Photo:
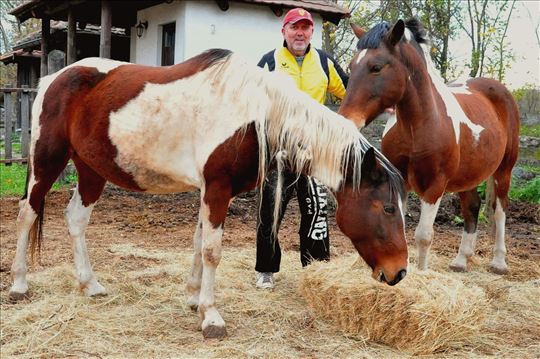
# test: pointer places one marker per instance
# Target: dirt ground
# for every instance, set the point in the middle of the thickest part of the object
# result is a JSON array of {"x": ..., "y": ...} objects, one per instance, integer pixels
[
  {"x": 168, "y": 222},
  {"x": 165, "y": 224}
]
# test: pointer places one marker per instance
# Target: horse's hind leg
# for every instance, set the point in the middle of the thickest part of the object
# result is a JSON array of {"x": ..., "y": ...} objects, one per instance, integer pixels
[
  {"x": 31, "y": 212},
  {"x": 499, "y": 205},
  {"x": 77, "y": 214},
  {"x": 470, "y": 207},
  {"x": 25, "y": 220}
]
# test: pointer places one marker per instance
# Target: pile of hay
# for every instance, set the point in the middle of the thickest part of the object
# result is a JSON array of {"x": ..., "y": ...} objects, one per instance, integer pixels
[{"x": 427, "y": 312}]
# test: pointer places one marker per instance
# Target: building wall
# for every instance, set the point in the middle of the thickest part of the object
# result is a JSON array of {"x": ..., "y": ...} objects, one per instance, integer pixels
[
  {"x": 147, "y": 48},
  {"x": 248, "y": 29}
]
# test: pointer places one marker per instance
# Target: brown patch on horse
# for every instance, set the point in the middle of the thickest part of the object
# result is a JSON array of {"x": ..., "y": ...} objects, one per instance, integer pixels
[{"x": 232, "y": 168}]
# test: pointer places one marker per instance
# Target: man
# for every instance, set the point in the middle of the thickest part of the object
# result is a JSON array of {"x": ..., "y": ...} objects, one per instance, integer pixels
[{"x": 315, "y": 73}]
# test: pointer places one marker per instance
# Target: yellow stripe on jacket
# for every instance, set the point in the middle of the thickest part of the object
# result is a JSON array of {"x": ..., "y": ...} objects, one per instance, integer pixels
[{"x": 310, "y": 78}]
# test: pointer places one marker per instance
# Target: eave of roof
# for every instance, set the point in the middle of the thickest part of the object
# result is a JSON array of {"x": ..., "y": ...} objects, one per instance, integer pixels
[
  {"x": 12, "y": 56},
  {"x": 40, "y": 8}
]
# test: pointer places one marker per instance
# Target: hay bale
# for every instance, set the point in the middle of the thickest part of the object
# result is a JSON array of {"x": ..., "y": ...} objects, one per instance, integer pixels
[{"x": 427, "y": 312}]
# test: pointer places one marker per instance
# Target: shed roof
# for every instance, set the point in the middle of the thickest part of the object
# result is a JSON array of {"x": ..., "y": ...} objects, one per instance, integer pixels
[{"x": 90, "y": 11}]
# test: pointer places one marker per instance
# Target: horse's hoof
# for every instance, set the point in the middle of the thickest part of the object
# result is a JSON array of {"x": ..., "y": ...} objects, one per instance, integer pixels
[
  {"x": 193, "y": 307},
  {"x": 93, "y": 290},
  {"x": 214, "y": 332},
  {"x": 99, "y": 295},
  {"x": 18, "y": 297},
  {"x": 458, "y": 268},
  {"x": 498, "y": 270}
]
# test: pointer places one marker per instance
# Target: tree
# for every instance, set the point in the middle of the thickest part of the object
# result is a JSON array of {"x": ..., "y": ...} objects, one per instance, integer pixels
[
  {"x": 483, "y": 25},
  {"x": 10, "y": 32},
  {"x": 528, "y": 99},
  {"x": 436, "y": 15}
]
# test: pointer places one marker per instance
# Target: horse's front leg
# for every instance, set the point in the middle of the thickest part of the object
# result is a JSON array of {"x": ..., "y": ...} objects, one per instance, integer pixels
[
  {"x": 424, "y": 231},
  {"x": 470, "y": 207},
  {"x": 194, "y": 282},
  {"x": 214, "y": 204}
]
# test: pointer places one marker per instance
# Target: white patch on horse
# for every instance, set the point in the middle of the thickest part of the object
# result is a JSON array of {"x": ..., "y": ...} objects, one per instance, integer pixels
[
  {"x": 402, "y": 208},
  {"x": 361, "y": 55},
  {"x": 165, "y": 135},
  {"x": 408, "y": 35},
  {"x": 424, "y": 231},
  {"x": 390, "y": 122},
  {"x": 453, "y": 109}
]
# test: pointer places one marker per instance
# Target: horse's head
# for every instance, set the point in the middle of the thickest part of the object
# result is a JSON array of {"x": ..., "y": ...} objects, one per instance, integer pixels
[
  {"x": 378, "y": 77},
  {"x": 372, "y": 217}
]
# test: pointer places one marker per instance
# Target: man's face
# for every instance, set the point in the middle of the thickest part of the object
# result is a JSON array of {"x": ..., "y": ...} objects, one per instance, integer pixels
[{"x": 297, "y": 36}]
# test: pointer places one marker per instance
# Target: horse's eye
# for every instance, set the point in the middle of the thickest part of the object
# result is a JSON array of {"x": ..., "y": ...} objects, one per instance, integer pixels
[
  {"x": 375, "y": 69},
  {"x": 389, "y": 208}
]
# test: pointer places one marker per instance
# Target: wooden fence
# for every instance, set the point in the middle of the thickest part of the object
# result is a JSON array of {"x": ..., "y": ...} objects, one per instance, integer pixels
[{"x": 15, "y": 123}]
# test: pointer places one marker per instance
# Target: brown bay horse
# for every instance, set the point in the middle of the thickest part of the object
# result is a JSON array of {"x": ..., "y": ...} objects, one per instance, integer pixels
[
  {"x": 212, "y": 123},
  {"x": 442, "y": 138}
]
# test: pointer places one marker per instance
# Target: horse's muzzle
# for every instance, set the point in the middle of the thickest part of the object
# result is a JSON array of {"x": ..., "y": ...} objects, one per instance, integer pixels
[{"x": 401, "y": 274}]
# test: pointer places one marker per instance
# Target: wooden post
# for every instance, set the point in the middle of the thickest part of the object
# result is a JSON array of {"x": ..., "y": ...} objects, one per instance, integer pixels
[
  {"x": 105, "y": 35},
  {"x": 25, "y": 122},
  {"x": 71, "y": 38},
  {"x": 45, "y": 34},
  {"x": 8, "y": 126}
]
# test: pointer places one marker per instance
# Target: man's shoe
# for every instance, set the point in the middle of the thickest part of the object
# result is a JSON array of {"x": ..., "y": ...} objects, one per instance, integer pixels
[{"x": 265, "y": 280}]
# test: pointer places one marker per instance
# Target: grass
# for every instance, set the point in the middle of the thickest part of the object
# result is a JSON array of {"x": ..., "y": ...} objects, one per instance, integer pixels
[
  {"x": 13, "y": 180},
  {"x": 530, "y": 130},
  {"x": 12, "y": 183},
  {"x": 15, "y": 147},
  {"x": 530, "y": 192}
]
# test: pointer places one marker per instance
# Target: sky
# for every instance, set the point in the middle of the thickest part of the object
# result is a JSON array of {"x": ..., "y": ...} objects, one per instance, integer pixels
[{"x": 521, "y": 39}]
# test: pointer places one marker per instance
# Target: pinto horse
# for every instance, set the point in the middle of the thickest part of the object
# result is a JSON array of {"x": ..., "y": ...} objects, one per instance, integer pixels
[
  {"x": 211, "y": 123},
  {"x": 442, "y": 138}
]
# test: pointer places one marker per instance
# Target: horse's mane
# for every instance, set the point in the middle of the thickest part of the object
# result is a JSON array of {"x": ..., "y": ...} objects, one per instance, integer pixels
[
  {"x": 372, "y": 39},
  {"x": 418, "y": 31},
  {"x": 310, "y": 137}
]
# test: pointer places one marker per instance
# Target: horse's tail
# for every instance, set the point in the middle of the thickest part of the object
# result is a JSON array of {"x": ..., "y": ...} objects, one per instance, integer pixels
[
  {"x": 490, "y": 204},
  {"x": 278, "y": 193},
  {"x": 35, "y": 235}
]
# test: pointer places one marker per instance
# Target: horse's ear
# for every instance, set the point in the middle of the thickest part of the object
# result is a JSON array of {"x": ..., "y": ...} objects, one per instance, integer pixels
[
  {"x": 396, "y": 33},
  {"x": 358, "y": 31},
  {"x": 372, "y": 171}
]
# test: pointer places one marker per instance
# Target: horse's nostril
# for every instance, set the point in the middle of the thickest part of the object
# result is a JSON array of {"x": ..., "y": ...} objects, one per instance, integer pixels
[{"x": 401, "y": 274}]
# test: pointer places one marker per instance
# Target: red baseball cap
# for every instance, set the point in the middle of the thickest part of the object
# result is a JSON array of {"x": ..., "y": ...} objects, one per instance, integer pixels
[{"x": 295, "y": 15}]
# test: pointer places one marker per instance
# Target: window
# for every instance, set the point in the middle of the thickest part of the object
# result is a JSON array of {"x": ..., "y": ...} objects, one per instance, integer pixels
[{"x": 167, "y": 44}]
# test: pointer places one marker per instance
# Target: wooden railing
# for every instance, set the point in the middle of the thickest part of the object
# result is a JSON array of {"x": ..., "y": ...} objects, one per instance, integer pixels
[{"x": 13, "y": 130}]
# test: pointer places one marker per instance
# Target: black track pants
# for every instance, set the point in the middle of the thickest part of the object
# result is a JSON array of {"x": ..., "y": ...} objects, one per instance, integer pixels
[{"x": 314, "y": 236}]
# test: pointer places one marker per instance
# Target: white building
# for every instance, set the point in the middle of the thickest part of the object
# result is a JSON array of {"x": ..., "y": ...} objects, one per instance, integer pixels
[{"x": 170, "y": 31}]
